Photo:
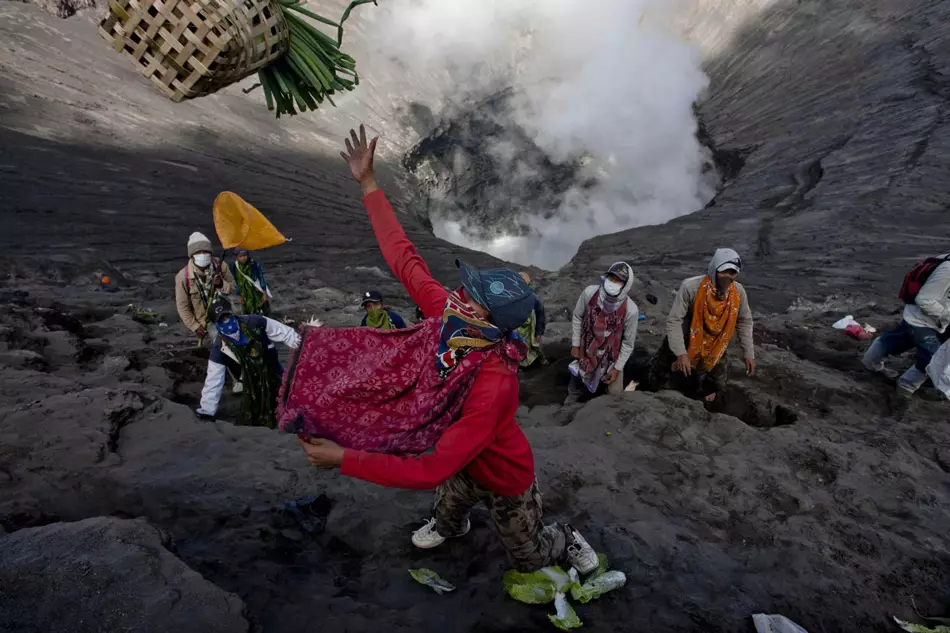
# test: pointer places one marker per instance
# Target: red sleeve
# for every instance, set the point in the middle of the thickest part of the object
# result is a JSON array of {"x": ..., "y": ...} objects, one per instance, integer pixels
[
  {"x": 494, "y": 398},
  {"x": 410, "y": 269}
]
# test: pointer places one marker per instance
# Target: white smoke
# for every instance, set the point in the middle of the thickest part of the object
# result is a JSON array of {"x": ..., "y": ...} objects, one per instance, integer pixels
[{"x": 608, "y": 81}]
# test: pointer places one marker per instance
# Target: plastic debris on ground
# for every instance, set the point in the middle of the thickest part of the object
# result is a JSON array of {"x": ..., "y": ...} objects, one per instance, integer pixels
[
  {"x": 632, "y": 386},
  {"x": 554, "y": 584},
  {"x": 775, "y": 624},
  {"x": 564, "y": 618},
  {"x": 432, "y": 580},
  {"x": 852, "y": 328}
]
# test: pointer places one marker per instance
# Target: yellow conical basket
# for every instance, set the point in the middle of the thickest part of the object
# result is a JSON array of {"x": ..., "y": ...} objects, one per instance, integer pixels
[{"x": 240, "y": 225}]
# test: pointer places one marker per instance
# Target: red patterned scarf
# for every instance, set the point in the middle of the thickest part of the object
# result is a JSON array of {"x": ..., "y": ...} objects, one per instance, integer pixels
[
  {"x": 601, "y": 334},
  {"x": 385, "y": 390}
]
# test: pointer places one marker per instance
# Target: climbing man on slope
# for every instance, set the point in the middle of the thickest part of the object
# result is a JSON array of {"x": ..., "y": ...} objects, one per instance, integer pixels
[
  {"x": 248, "y": 341},
  {"x": 378, "y": 315},
  {"x": 482, "y": 456},
  {"x": 926, "y": 293},
  {"x": 604, "y": 331},
  {"x": 707, "y": 312},
  {"x": 252, "y": 288},
  {"x": 198, "y": 284}
]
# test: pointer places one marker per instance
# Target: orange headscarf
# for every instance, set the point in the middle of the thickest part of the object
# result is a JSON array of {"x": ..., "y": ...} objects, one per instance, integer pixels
[{"x": 713, "y": 324}]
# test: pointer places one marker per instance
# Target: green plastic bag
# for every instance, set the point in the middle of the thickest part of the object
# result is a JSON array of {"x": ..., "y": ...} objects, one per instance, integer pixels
[
  {"x": 432, "y": 580},
  {"x": 565, "y": 617}
]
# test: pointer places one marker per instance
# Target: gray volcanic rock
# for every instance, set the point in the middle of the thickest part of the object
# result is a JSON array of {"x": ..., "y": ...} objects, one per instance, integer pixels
[{"x": 106, "y": 574}]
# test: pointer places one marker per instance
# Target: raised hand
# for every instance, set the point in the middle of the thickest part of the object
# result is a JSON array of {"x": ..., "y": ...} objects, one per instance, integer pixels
[{"x": 359, "y": 156}]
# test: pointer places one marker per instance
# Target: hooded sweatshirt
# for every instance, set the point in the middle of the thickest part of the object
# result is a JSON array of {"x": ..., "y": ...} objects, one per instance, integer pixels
[
  {"x": 630, "y": 321},
  {"x": 681, "y": 313}
]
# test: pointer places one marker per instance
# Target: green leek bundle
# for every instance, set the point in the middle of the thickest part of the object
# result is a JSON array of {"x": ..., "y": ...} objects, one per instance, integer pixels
[{"x": 314, "y": 67}]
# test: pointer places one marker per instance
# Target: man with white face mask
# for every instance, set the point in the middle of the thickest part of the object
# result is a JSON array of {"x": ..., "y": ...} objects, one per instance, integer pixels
[
  {"x": 199, "y": 283},
  {"x": 604, "y": 331}
]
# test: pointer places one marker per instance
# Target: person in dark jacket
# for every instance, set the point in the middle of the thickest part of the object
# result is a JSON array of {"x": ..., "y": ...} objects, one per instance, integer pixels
[
  {"x": 246, "y": 341},
  {"x": 378, "y": 315},
  {"x": 483, "y": 456}
]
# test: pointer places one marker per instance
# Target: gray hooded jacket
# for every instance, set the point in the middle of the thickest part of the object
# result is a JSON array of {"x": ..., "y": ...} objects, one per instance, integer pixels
[
  {"x": 681, "y": 314},
  {"x": 630, "y": 321}
]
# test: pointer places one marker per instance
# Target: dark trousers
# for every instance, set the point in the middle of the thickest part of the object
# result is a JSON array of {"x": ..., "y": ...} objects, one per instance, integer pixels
[
  {"x": 905, "y": 337},
  {"x": 701, "y": 383}
]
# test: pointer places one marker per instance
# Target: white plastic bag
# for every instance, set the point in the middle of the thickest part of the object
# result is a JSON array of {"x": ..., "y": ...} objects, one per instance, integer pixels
[
  {"x": 939, "y": 369},
  {"x": 841, "y": 324}
]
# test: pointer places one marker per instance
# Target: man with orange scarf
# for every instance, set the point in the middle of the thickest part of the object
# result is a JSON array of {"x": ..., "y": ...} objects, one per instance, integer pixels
[{"x": 707, "y": 312}]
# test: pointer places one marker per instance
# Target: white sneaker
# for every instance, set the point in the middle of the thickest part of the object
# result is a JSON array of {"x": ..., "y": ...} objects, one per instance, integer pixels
[
  {"x": 238, "y": 387},
  {"x": 580, "y": 554},
  {"x": 427, "y": 537}
]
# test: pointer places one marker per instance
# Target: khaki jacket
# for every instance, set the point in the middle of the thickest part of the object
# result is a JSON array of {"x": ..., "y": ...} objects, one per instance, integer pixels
[{"x": 191, "y": 309}]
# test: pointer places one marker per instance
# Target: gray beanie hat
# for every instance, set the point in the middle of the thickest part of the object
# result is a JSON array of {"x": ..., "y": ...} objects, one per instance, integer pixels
[{"x": 197, "y": 242}]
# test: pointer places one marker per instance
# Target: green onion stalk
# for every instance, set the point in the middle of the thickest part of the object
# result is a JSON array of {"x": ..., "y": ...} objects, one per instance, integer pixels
[{"x": 314, "y": 68}]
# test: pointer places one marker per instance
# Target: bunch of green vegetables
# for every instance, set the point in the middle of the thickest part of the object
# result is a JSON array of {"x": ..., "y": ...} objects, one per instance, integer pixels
[{"x": 314, "y": 67}]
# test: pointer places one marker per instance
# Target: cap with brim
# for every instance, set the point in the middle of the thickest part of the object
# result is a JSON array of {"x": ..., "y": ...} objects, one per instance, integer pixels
[
  {"x": 501, "y": 291},
  {"x": 371, "y": 296},
  {"x": 728, "y": 266},
  {"x": 620, "y": 271},
  {"x": 219, "y": 309}
]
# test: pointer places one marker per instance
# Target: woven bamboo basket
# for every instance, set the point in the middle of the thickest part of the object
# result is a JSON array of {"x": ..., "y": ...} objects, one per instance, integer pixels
[{"x": 192, "y": 48}]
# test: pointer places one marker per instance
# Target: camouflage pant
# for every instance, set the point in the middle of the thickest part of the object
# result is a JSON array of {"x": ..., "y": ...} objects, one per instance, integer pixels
[{"x": 530, "y": 544}]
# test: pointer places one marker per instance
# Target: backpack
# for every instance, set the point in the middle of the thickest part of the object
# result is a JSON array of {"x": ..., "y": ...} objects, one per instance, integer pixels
[{"x": 918, "y": 276}]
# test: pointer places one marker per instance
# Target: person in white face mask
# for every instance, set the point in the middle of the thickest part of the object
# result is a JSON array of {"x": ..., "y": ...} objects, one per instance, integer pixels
[
  {"x": 604, "y": 331},
  {"x": 199, "y": 283}
]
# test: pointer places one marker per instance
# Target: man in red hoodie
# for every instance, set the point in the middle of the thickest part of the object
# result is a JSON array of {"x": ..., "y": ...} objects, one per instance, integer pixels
[{"x": 483, "y": 456}]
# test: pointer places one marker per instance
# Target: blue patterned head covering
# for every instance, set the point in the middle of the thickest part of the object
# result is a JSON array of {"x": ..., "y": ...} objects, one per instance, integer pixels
[{"x": 501, "y": 291}]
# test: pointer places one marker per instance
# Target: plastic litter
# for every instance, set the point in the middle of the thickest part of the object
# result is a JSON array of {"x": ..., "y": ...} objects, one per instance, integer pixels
[
  {"x": 632, "y": 386},
  {"x": 162, "y": 324},
  {"x": 564, "y": 618},
  {"x": 852, "y": 328},
  {"x": 843, "y": 323},
  {"x": 432, "y": 580},
  {"x": 642, "y": 317},
  {"x": 775, "y": 624},
  {"x": 939, "y": 369}
]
